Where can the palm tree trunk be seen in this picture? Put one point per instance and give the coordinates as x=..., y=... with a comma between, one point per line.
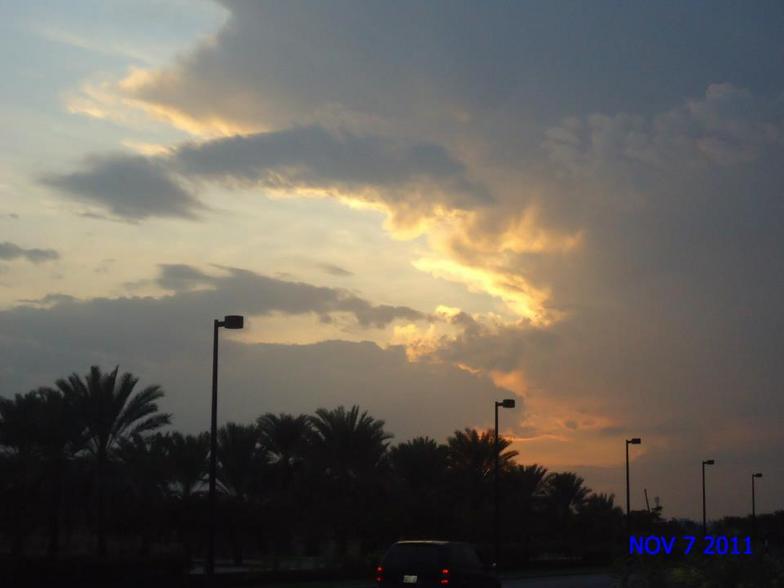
x=20, y=533
x=99, y=491
x=54, y=511
x=235, y=535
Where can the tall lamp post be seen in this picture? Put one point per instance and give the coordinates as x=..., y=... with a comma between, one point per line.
x=635, y=441
x=507, y=403
x=231, y=321
x=754, y=506
x=704, y=519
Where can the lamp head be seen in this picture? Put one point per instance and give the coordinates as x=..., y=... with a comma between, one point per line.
x=757, y=475
x=709, y=462
x=233, y=321
x=635, y=441
x=508, y=403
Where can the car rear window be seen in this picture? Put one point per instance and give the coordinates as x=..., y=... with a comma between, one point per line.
x=419, y=555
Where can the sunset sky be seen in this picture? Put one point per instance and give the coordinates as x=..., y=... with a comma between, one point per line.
x=420, y=207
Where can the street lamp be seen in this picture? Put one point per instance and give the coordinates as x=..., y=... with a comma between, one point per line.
x=634, y=441
x=507, y=403
x=754, y=506
x=704, y=520
x=232, y=321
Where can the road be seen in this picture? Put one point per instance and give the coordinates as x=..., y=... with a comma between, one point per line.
x=571, y=581
x=581, y=581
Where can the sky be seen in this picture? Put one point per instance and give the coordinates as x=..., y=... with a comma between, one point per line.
x=420, y=208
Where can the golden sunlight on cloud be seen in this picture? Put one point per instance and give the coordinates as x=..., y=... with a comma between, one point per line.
x=520, y=297
x=423, y=342
x=150, y=149
x=524, y=233
x=202, y=126
x=110, y=100
x=418, y=342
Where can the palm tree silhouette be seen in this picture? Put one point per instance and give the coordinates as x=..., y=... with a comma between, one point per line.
x=349, y=443
x=566, y=493
x=473, y=452
x=187, y=462
x=146, y=477
x=241, y=461
x=524, y=491
x=42, y=430
x=419, y=484
x=111, y=412
x=286, y=439
x=419, y=462
x=349, y=451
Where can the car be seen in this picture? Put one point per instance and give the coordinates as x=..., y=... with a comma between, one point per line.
x=418, y=564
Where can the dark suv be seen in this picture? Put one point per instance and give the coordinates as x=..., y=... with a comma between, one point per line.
x=412, y=564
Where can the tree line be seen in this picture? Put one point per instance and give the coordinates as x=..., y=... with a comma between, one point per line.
x=86, y=464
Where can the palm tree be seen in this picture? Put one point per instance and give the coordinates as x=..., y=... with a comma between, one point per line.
x=524, y=486
x=349, y=451
x=187, y=456
x=110, y=412
x=349, y=443
x=471, y=462
x=600, y=524
x=147, y=479
x=241, y=460
x=422, y=507
x=473, y=453
x=524, y=489
x=420, y=462
x=42, y=430
x=286, y=439
x=565, y=496
x=566, y=493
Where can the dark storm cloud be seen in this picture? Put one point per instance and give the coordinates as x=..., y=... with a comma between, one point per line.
x=135, y=187
x=256, y=294
x=131, y=187
x=10, y=251
x=196, y=298
x=274, y=62
x=314, y=156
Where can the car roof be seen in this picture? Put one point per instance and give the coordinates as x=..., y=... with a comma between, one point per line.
x=429, y=542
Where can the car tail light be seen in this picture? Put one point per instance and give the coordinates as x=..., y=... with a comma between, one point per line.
x=379, y=574
x=444, y=577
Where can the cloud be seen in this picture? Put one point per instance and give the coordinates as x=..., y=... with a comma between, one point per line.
x=335, y=270
x=167, y=341
x=129, y=186
x=316, y=156
x=257, y=294
x=728, y=126
x=10, y=251
x=405, y=178
x=274, y=64
x=180, y=277
x=51, y=298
